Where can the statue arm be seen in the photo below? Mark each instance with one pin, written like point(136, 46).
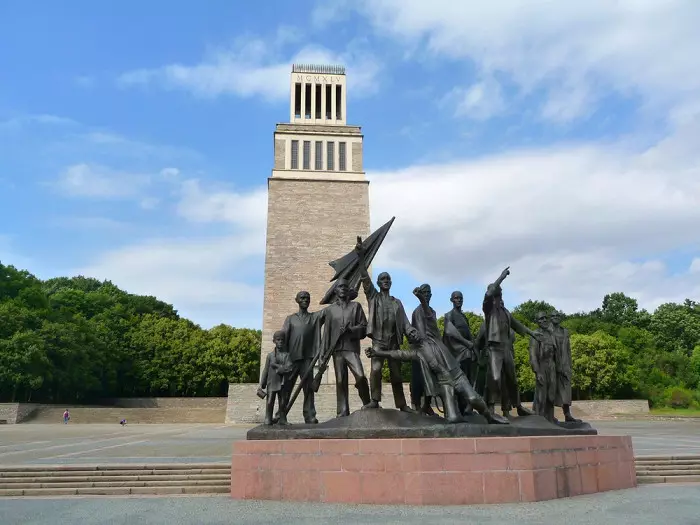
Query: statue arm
point(265, 372)
point(456, 335)
point(534, 346)
point(368, 285)
point(399, 355)
point(418, 322)
point(520, 327)
point(359, 329)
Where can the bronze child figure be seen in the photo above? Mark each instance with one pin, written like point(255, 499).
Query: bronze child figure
point(275, 374)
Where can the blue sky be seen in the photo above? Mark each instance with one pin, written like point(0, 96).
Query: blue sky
point(559, 139)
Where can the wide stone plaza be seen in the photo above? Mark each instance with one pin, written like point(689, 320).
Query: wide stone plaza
point(101, 444)
point(74, 444)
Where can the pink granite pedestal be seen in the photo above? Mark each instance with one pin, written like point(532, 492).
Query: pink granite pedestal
point(436, 471)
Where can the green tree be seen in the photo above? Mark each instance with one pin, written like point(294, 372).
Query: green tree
point(601, 367)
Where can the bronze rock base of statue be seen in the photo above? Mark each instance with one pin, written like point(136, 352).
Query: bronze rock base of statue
point(384, 423)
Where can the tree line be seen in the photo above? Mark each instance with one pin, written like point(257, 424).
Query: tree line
point(80, 340)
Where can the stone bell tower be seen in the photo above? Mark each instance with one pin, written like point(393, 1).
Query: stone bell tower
point(318, 196)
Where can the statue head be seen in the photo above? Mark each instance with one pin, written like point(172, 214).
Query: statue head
point(457, 299)
point(555, 317)
point(279, 338)
point(303, 299)
point(412, 335)
point(542, 320)
point(384, 281)
point(342, 289)
point(423, 292)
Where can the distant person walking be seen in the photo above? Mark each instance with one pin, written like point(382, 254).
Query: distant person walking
point(66, 417)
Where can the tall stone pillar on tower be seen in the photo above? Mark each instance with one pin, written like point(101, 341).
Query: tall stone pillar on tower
point(318, 196)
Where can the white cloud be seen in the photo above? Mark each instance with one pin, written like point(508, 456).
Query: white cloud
point(248, 210)
point(480, 101)
point(573, 221)
point(85, 180)
point(206, 279)
point(255, 67)
point(576, 52)
point(41, 119)
point(89, 223)
point(202, 278)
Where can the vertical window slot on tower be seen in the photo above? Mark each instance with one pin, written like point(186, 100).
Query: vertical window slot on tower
point(318, 150)
point(317, 108)
point(297, 100)
point(307, 102)
point(306, 159)
point(338, 101)
point(341, 156)
point(329, 101)
point(295, 154)
point(331, 155)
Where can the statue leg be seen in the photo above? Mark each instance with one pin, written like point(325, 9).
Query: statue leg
point(465, 391)
point(494, 374)
point(309, 397)
point(397, 385)
point(341, 384)
point(269, 407)
point(465, 407)
point(512, 385)
point(449, 400)
point(417, 386)
point(289, 384)
point(282, 399)
point(375, 381)
point(355, 365)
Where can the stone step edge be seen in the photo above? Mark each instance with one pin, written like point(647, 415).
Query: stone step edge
point(664, 458)
point(668, 473)
point(114, 466)
point(115, 484)
point(108, 473)
point(116, 491)
point(107, 479)
point(668, 479)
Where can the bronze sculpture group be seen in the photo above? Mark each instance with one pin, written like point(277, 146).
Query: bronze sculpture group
point(444, 365)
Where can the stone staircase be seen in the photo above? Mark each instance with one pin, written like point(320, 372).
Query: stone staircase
point(156, 415)
point(115, 480)
point(668, 469)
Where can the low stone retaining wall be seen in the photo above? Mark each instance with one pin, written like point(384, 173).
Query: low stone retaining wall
point(12, 413)
point(244, 406)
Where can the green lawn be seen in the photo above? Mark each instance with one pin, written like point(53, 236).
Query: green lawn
point(680, 412)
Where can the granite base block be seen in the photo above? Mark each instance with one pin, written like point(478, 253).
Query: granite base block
point(432, 471)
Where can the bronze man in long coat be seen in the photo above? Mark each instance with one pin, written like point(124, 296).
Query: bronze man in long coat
point(563, 397)
point(386, 327)
point(303, 335)
point(345, 326)
point(501, 365)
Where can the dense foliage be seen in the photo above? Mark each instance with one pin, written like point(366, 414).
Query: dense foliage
point(79, 340)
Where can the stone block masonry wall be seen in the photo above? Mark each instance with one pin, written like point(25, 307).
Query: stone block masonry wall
point(357, 156)
point(309, 224)
point(13, 413)
point(279, 154)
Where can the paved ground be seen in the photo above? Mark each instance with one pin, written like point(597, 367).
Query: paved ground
point(57, 443)
point(650, 438)
point(647, 505)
